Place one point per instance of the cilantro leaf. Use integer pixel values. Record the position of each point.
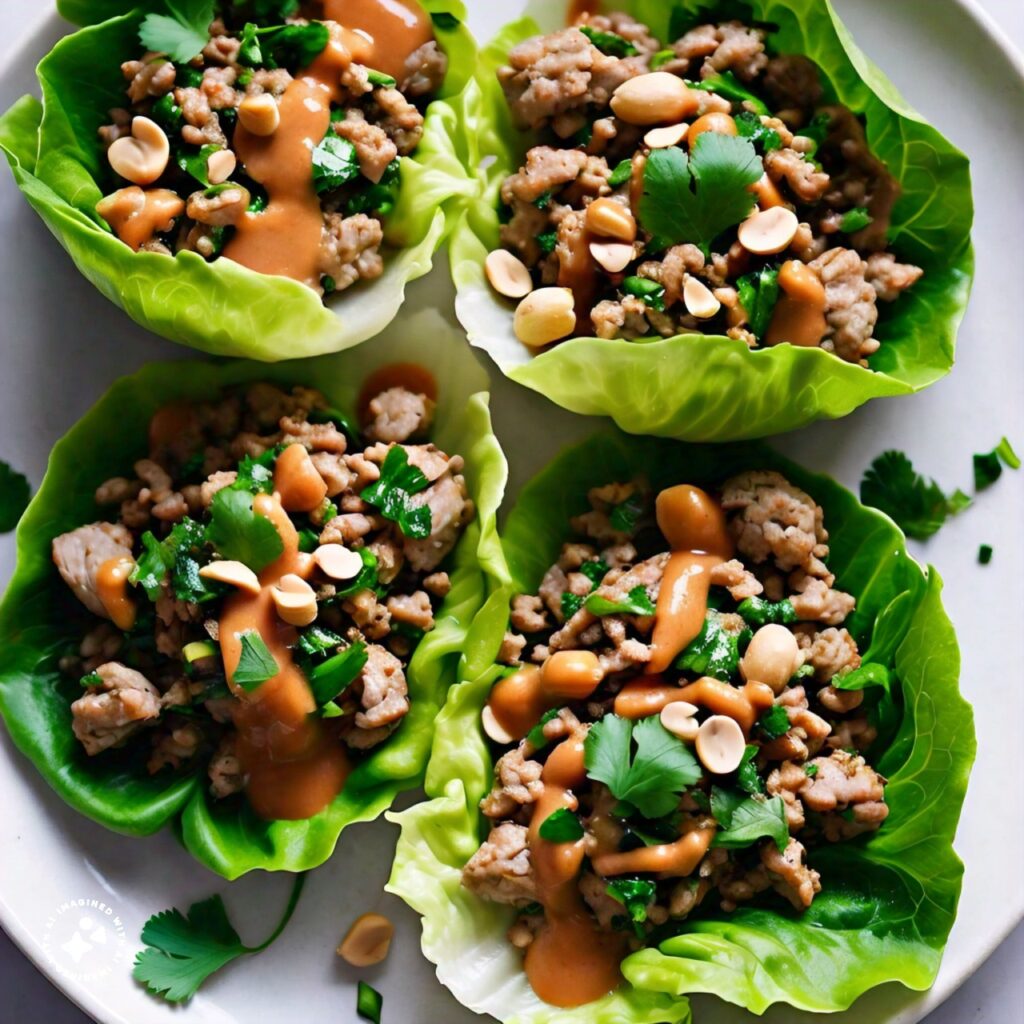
(282, 45)
(561, 826)
(728, 85)
(714, 651)
(317, 640)
(379, 79)
(744, 820)
(855, 219)
(14, 496)
(749, 126)
(637, 602)
(547, 240)
(183, 951)
(543, 201)
(176, 555)
(757, 611)
(571, 604)
(257, 474)
(595, 570)
(661, 58)
(636, 895)
(238, 533)
(255, 664)
(695, 198)
(182, 33)
(624, 516)
(195, 162)
(150, 567)
(366, 579)
(91, 679)
(337, 673)
(774, 722)
(368, 1000)
(652, 777)
(810, 770)
(917, 505)
(535, 737)
(746, 775)
(622, 173)
(609, 43)
(334, 163)
(988, 466)
(391, 494)
(650, 292)
(758, 294)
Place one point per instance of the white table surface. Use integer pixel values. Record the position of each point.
(994, 995)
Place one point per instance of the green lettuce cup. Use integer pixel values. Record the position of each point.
(40, 621)
(700, 387)
(220, 307)
(887, 899)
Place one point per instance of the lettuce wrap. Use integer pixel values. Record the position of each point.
(220, 307)
(35, 629)
(887, 902)
(713, 388)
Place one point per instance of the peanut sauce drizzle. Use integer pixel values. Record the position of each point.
(799, 315)
(112, 590)
(295, 763)
(284, 238)
(138, 216)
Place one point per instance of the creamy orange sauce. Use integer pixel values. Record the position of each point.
(744, 705)
(295, 762)
(799, 315)
(519, 701)
(571, 961)
(694, 525)
(395, 29)
(297, 483)
(137, 217)
(669, 860)
(645, 696)
(112, 590)
(284, 238)
(411, 376)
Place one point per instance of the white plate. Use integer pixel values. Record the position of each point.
(63, 344)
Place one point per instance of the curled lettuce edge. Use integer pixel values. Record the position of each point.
(888, 901)
(115, 790)
(220, 307)
(713, 388)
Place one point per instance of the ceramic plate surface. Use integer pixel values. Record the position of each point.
(62, 344)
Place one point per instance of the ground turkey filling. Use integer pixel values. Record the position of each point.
(205, 191)
(814, 159)
(152, 670)
(803, 738)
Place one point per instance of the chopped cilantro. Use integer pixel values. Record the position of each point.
(257, 474)
(749, 126)
(255, 664)
(379, 80)
(178, 555)
(595, 570)
(561, 826)
(746, 775)
(535, 737)
(757, 611)
(652, 776)
(167, 113)
(917, 505)
(728, 85)
(194, 161)
(636, 895)
(571, 604)
(649, 291)
(985, 554)
(334, 163)
(610, 43)
(182, 33)
(661, 58)
(774, 722)
(583, 136)
(695, 198)
(274, 46)
(317, 640)
(366, 579)
(368, 1000)
(624, 516)
(392, 494)
(988, 466)
(92, 679)
(14, 495)
(622, 173)
(547, 241)
(855, 219)
(543, 201)
(238, 533)
(714, 651)
(337, 673)
(187, 76)
(637, 602)
(758, 292)
(182, 952)
(745, 819)
(810, 770)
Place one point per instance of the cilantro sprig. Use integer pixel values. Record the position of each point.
(636, 895)
(182, 951)
(392, 494)
(988, 466)
(714, 651)
(745, 819)
(182, 32)
(274, 46)
(239, 533)
(695, 198)
(334, 163)
(918, 505)
(650, 777)
(255, 663)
